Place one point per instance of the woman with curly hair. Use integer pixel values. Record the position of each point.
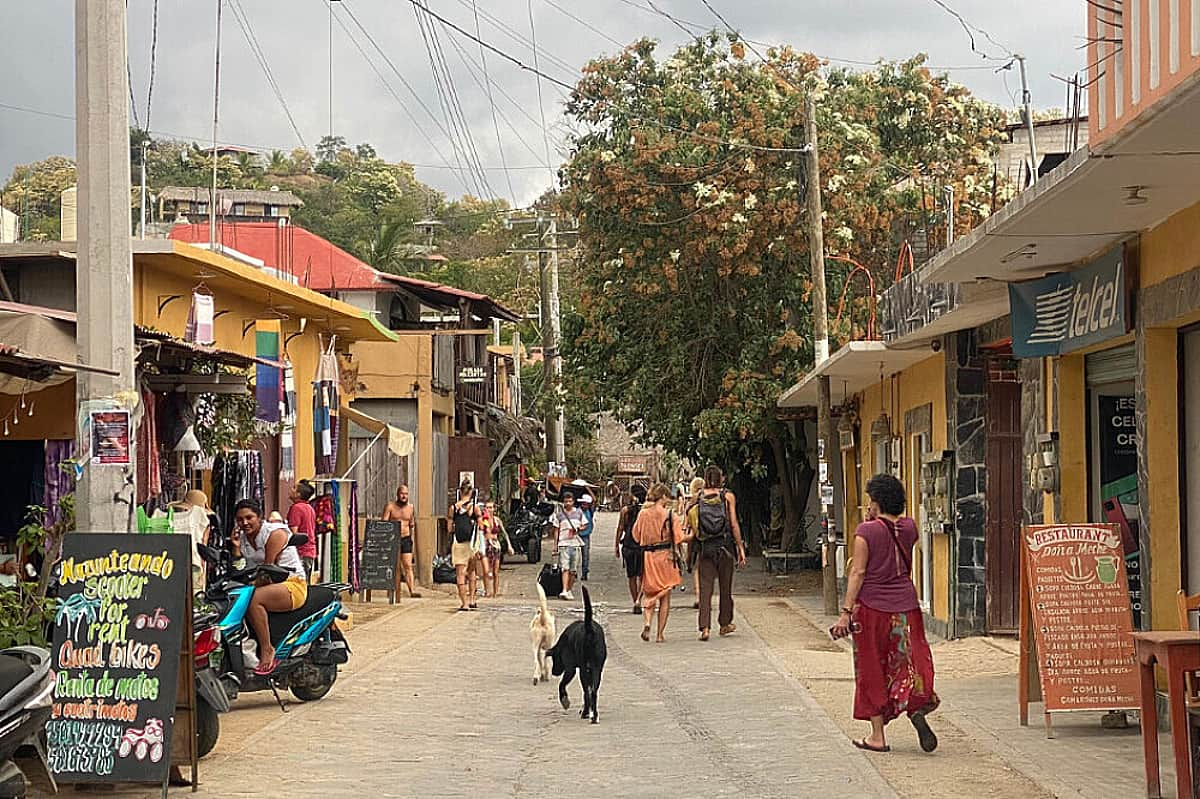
(893, 667)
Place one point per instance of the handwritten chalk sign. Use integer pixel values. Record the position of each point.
(1075, 602)
(380, 556)
(117, 636)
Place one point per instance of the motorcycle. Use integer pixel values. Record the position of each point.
(211, 698)
(527, 526)
(308, 645)
(26, 686)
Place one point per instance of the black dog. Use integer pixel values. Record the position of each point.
(581, 646)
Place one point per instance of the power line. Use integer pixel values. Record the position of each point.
(521, 39)
(971, 30)
(243, 22)
(582, 22)
(731, 29)
(491, 102)
(395, 96)
(541, 104)
(653, 122)
(677, 22)
(153, 63)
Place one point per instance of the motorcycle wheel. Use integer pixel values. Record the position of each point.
(208, 727)
(317, 682)
(533, 549)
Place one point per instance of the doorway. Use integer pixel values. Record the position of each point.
(1004, 491)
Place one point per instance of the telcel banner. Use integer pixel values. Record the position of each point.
(1065, 312)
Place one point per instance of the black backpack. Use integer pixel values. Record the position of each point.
(464, 526)
(713, 520)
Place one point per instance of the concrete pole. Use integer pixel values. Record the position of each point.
(143, 216)
(549, 341)
(825, 446)
(516, 390)
(104, 265)
(1026, 98)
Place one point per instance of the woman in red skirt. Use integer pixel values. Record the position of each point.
(893, 668)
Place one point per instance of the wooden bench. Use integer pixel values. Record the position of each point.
(783, 562)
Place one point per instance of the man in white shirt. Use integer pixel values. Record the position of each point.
(570, 522)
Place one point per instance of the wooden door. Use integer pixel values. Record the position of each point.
(1004, 497)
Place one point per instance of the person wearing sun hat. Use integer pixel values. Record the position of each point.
(586, 503)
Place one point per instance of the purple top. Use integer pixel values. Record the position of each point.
(887, 585)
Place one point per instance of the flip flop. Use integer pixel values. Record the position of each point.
(728, 629)
(646, 633)
(704, 635)
(473, 606)
(265, 669)
(461, 610)
(928, 738)
(862, 744)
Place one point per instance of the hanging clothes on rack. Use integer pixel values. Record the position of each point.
(149, 475)
(339, 544)
(287, 438)
(57, 481)
(199, 329)
(236, 475)
(325, 410)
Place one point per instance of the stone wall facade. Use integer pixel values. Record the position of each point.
(966, 435)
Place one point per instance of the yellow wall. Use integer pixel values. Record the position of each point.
(1172, 248)
(53, 414)
(923, 383)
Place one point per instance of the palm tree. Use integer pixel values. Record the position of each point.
(278, 163)
(385, 251)
(248, 164)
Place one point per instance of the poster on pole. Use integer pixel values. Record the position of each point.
(117, 638)
(111, 437)
(1076, 619)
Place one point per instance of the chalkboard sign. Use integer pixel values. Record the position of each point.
(380, 555)
(117, 635)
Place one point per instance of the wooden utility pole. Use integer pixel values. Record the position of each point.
(825, 446)
(104, 259)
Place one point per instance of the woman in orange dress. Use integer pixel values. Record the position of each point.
(657, 531)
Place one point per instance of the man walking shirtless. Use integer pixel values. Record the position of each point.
(401, 511)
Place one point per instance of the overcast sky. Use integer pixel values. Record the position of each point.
(37, 60)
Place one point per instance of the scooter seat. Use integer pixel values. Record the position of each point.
(13, 671)
(319, 597)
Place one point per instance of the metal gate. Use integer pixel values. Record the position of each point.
(1004, 511)
(379, 474)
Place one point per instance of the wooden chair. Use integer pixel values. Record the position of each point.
(1187, 606)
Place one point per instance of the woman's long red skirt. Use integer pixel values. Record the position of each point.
(893, 667)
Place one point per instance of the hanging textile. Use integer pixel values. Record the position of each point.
(199, 328)
(57, 481)
(340, 546)
(326, 533)
(352, 525)
(325, 410)
(236, 475)
(287, 411)
(149, 476)
(268, 388)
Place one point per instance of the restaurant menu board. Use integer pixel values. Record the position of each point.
(380, 553)
(1079, 601)
(116, 656)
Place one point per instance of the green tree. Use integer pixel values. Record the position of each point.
(695, 310)
(34, 192)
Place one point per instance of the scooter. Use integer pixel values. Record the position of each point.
(211, 698)
(25, 696)
(308, 646)
(528, 524)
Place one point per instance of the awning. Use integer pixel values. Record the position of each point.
(912, 312)
(400, 442)
(852, 368)
(37, 347)
(1098, 197)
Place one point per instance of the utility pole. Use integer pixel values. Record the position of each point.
(558, 443)
(1026, 97)
(145, 147)
(825, 447)
(104, 259)
(212, 200)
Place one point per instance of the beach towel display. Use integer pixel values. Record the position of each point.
(199, 328)
(338, 543)
(287, 412)
(325, 411)
(268, 387)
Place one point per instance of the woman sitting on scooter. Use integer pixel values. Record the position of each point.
(262, 542)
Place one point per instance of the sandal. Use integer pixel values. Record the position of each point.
(862, 744)
(646, 633)
(265, 669)
(927, 737)
(704, 635)
(473, 606)
(728, 629)
(461, 610)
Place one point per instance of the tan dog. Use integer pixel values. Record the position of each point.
(542, 633)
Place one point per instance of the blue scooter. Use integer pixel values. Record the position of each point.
(308, 646)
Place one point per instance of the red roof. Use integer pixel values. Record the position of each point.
(321, 265)
(318, 264)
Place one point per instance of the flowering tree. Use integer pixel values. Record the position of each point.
(688, 183)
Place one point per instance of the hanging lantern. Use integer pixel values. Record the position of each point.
(881, 428)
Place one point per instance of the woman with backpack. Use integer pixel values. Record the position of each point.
(464, 518)
(626, 547)
(719, 548)
(893, 667)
